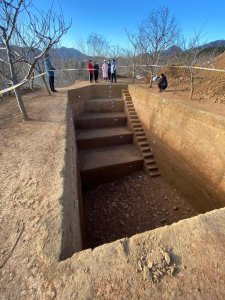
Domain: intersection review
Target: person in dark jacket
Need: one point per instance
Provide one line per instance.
(113, 70)
(109, 70)
(50, 71)
(162, 83)
(96, 68)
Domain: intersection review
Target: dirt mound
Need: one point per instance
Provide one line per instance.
(208, 85)
(219, 61)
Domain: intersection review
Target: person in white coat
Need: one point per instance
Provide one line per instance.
(105, 70)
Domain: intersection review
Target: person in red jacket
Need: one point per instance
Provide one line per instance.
(90, 71)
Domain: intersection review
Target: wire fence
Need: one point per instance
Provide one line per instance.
(67, 76)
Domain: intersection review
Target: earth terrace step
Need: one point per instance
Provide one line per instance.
(148, 155)
(138, 130)
(103, 137)
(140, 134)
(143, 144)
(142, 139)
(152, 167)
(104, 105)
(154, 173)
(127, 97)
(145, 149)
(149, 161)
(105, 164)
(132, 112)
(136, 126)
(100, 120)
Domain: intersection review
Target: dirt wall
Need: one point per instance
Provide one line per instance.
(79, 96)
(188, 145)
(71, 200)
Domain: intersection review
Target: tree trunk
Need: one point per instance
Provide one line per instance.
(46, 85)
(20, 103)
(191, 84)
(133, 73)
(151, 80)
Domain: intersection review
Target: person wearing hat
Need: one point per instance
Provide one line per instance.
(105, 70)
(113, 70)
(90, 71)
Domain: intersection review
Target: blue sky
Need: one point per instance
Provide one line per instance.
(110, 18)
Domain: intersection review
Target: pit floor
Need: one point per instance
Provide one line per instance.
(131, 205)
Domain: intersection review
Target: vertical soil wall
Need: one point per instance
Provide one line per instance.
(78, 97)
(188, 145)
(72, 213)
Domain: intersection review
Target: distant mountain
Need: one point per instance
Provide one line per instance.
(214, 44)
(64, 52)
(172, 50)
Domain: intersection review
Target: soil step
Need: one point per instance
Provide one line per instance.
(145, 149)
(143, 144)
(142, 139)
(133, 113)
(103, 137)
(104, 105)
(148, 155)
(100, 120)
(106, 163)
(137, 125)
(140, 134)
(138, 130)
(152, 167)
(149, 161)
(154, 173)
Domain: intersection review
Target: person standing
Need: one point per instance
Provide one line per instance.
(50, 71)
(113, 70)
(90, 71)
(109, 69)
(105, 70)
(96, 68)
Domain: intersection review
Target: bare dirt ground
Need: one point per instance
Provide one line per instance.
(30, 236)
(129, 206)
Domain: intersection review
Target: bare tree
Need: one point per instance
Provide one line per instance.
(26, 35)
(155, 34)
(191, 56)
(94, 45)
(133, 51)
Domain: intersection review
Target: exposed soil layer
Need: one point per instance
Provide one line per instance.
(131, 205)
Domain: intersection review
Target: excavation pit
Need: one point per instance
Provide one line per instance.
(131, 205)
(119, 199)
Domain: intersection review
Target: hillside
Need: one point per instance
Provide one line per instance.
(209, 86)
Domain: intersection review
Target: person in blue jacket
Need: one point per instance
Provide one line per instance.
(50, 71)
(113, 70)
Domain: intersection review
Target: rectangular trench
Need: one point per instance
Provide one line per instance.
(183, 147)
